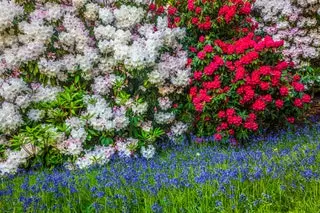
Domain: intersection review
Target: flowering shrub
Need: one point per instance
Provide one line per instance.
(243, 85)
(295, 22)
(219, 19)
(240, 81)
(82, 81)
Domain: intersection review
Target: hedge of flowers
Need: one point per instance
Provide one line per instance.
(240, 83)
(297, 22)
(83, 80)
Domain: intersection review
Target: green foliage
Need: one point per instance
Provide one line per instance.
(68, 103)
(38, 135)
(151, 136)
(2, 150)
(311, 78)
(42, 140)
(106, 141)
(30, 73)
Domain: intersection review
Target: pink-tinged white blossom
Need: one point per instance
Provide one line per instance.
(35, 114)
(103, 84)
(71, 146)
(16, 158)
(8, 12)
(148, 152)
(294, 22)
(99, 155)
(165, 103)
(10, 118)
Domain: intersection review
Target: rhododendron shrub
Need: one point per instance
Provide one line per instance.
(295, 22)
(219, 19)
(244, 85)
(83, 80)
(241, 83)
(298, 24)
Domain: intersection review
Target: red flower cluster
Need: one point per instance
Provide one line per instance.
(228, 12)
(247, 42)
(236, 79)
(213, 66)
(199, 99)
(251, 123)
(199, 13)
(158, 9)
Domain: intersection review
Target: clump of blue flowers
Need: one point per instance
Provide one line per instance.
(273, 173)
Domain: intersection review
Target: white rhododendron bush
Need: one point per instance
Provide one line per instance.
(297, 22)
(81, 81)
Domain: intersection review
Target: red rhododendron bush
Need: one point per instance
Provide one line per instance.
(240, 83)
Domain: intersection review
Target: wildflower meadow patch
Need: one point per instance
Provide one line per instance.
(275, 173)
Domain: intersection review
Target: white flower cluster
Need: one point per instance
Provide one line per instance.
(36, 114)
(11, 88)
(148, 152)
(164, 117)
(75, 123)
(99, 155)
(295, 22)
(8, 12)
(178, 129)
(10, 118)
(171, 70)
(28, 45)
(126, 147)
(116, 51)
(16, 158)
(139, 109)
(73, 144)
(165, 103)
(103, 117)
(103, 84)
(128, 16)
(45, 93)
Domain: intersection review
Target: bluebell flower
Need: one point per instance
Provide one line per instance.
(267, 196)
(258, 173)
(156, 208)
(242, 198)
(307, 174)
(218, 203)
(283, 187)
(256, 202)
(73, 189)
